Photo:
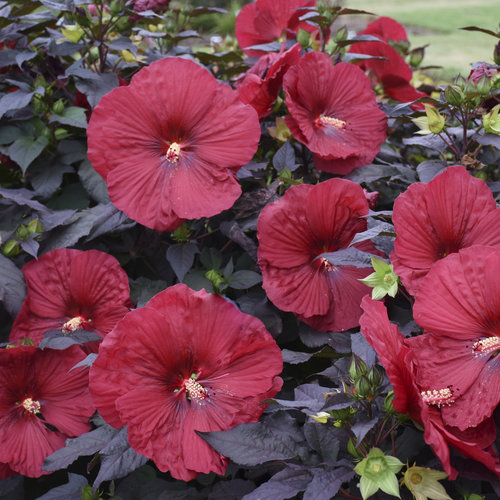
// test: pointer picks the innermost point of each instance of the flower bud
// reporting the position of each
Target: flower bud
(181, 234)
(453, 95)
(22, 232)
(341, 34)
(58, 107)
(215, 277)
(491, 121)
(496, 53)
(34, 227)
(417, 56)
(357, 367)
(39, 105)
(304, 38)
(11, 248)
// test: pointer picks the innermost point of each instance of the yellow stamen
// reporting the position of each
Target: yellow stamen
(330, 121)
(173, 152)
(486, 346)
(31, 406)
(73, 324)
(441, 397)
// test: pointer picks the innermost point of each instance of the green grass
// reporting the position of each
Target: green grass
(438, 23)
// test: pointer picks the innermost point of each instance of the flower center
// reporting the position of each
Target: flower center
(441, 397)
(75, 323)
(31, 406)
(173, 152)
(330, 121)
(325, 265)
(490, 345)
(194, 390)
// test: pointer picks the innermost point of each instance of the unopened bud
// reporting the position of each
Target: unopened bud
(304, 38)
(491, 121)
(34, 227)
(58, 107)
(453, 95)
(357, 367)
(11, 248)
(341, 34)
(496, 53)
(417, 56)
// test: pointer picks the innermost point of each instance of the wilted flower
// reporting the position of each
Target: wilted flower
(187, 361)
(169, 144)
(72, 290)
(491, 121)
(423, 483)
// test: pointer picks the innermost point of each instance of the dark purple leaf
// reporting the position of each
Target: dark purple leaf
(87, 362)
(12, 286)
(326, 483)
(374, 172)
(488, 140)
(338, 341)
(427, 170)
(362, 349)
(16, 100)
(56, 339)
(198, 11)
(30, 245)
(285, 484)
(482, 30)
(363, 426)
(322, 439)
(251, 444)
(46, 176)
(256, 303)
(73, 116)
(93, 85)
(266, 47)
(85, 445)
(348, 257)
(181, 257)
(62, 5)
(25, 55)
(295, 358)
(431, 141)
(94, 184)
(25, 149)
(337, 400)
(241, 280)
(377, 228)
(233, 231)
(310, 397)
(285, 158)
(118, 459)
(72, 490)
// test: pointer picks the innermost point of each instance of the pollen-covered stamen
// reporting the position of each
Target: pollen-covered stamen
(324, 120)
(194, 390)
(326, 265)
(173, 153)
(31, 406)
(490, 345)
(441, 397)
(76, 323)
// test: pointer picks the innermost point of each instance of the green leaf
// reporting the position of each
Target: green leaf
(24, 150)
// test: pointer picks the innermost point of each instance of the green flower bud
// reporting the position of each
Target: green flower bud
(60, 133)
(484, 85)
(58, 107)
(417, 56)
(357, 367)
(11, 248)
(388, 403)
(453, 95)
(22, 232)
(378, 471)
(34, 227)
(304, 38)
(39, 105)
(341, 34)
(491, 121)
(363, 387)
(423, 483)
(351, 448)
(215, 277)
(181, 234)
(496, 53)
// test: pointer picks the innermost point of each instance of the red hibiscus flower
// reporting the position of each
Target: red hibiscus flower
(187, 361)
(169, 144)
(260, 85)
(333, 112)
(294, 232)
(453, 211)
(420, 397)
(69, 290)
(458, 305)
(392, 72)
(265, 21)
(42, 403)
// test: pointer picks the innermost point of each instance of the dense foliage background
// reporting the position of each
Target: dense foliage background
(58, 59)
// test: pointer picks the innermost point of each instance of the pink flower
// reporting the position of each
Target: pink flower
(392, 72)
(260, 85)
(42, 403)
(458, 306)
(187, 361)
(422, 399)
(453, 211)
(265, 21)
(69, 290)
(333, 112)
(169, 144)
(294, 232)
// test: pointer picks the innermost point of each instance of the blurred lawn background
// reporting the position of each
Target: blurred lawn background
(438, 23)
(435, 23)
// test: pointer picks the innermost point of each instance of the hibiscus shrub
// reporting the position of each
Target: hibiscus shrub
(258, 265)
